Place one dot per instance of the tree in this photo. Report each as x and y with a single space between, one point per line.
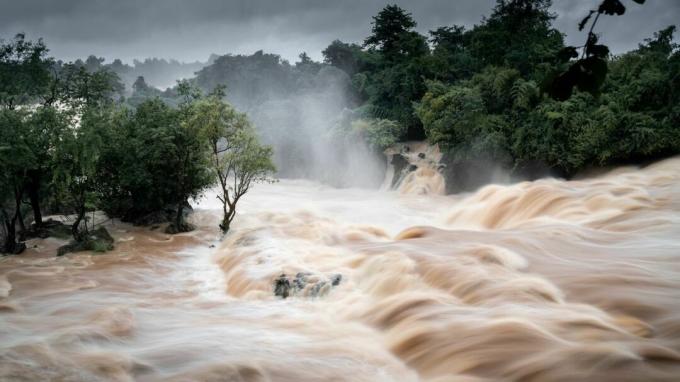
24 77
390 26
378 133
44 129
347 57
190 164
237 158
15 158
77 157
140 85
518 34
24 71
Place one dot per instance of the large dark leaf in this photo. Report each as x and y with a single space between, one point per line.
563 85
598 50
592 72
612 7
567 53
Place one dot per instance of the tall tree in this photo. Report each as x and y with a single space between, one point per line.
15 158
237 157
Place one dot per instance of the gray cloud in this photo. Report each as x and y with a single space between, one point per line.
191 30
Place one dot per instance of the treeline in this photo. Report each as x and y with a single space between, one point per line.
486 94
492 96
68 145
158 72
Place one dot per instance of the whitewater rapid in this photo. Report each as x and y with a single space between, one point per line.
545 280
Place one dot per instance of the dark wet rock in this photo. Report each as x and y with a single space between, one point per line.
98 240
421 155
317 289
467 175
282 286
412 168
19 248
184 227
300 280
212 245
406 149
305 284
167 214
399 163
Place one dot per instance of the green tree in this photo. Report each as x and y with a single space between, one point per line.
76 162
191 162
378 133
24 71
237 157
15 157
390 26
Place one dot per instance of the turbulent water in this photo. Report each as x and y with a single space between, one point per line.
545 280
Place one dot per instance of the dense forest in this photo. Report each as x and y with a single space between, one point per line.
486 95
74 138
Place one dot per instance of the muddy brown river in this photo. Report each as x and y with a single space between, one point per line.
548 280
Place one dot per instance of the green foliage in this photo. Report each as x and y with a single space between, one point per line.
24 71
75 172
154 158
347 57
378 133
237 158
501 114
518 34
479 93
391 28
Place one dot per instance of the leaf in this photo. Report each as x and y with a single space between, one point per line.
567 53
601 51
563 85
592 72
612 7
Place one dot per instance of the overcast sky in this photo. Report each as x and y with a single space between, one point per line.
191 30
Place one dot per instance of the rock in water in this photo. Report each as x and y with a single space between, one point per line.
300 280
320 289
282 286
335 279
98 240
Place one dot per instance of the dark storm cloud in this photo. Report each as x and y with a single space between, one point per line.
191 30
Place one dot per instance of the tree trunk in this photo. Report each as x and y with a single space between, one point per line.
179 219
9 246
75 228
33 190
22 226
224 226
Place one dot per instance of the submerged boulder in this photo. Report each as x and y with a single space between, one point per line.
98 240
167 214
282 286
305 284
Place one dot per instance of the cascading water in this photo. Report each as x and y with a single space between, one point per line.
545 280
